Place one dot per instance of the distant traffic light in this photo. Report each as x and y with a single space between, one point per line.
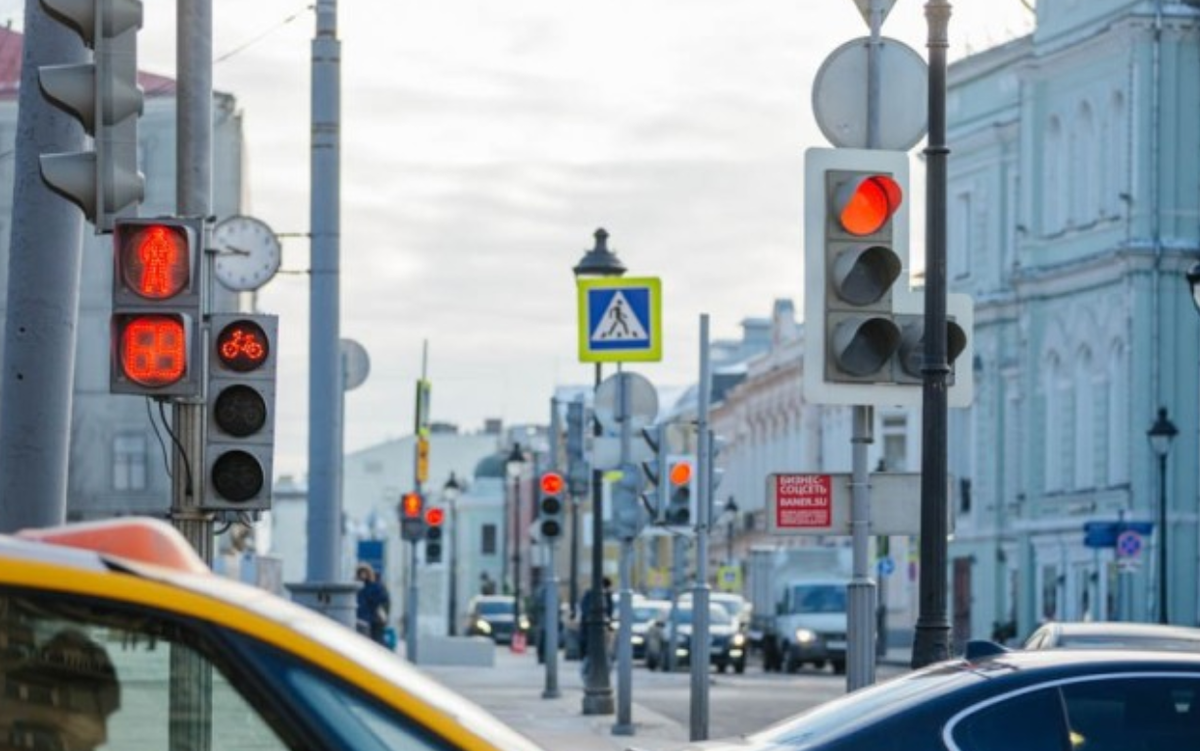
865 333
656 472
105 98
155 331
240 437
412 517
550 505
681 495
433 534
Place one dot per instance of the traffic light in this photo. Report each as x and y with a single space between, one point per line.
656 472
412 517
864 341
550 505
628 513
240 436
155 330
433 534
106 99
681 493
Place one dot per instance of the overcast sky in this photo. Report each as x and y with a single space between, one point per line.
483 143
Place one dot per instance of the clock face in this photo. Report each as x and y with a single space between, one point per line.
247 253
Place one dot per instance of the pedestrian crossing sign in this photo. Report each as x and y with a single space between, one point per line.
620 320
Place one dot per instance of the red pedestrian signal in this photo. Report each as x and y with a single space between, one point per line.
410 506
156 308
412 517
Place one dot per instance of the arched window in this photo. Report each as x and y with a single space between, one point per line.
1084 157
1085 422
1052 394
1053 166
1112 160
1117 396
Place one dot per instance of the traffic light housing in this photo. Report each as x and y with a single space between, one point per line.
105 98
681 492
434 517
155 325
865 326
412 517
656 472
240 434
550 505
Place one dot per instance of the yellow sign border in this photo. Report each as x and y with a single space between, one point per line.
653 353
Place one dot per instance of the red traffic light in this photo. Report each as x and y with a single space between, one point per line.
410 506
552 483
152 350
865 205
154 259
434 516
243 346
681 473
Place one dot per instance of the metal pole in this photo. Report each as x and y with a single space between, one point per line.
597 690
516 489
860 652
550 648
1163 613
932 641
452 626
624 724
412 596
43 298
699 651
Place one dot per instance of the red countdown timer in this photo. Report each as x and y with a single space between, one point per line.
152 350
242 346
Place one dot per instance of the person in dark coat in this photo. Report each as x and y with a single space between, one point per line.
374 604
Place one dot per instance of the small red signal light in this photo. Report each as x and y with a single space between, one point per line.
866 205
552 483
681 473
152 349
242 346
410 506
434 517
154 260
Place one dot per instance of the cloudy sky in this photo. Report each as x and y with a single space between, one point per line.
483 143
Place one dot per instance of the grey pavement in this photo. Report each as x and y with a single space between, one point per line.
512 690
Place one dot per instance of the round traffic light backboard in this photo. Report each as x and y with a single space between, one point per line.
242 346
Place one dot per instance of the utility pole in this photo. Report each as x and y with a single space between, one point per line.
43 298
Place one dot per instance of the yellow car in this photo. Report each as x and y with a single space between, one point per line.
115 634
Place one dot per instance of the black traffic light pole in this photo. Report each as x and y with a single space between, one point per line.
932 640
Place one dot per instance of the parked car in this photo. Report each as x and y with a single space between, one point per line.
102 623
727 642
645 613
1113 635
494 616
996 700
738 607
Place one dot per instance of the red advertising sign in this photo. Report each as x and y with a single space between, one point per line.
803 501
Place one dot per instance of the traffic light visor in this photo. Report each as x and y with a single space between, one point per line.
552 483
681 473
154 259
865 205
411 506
434 517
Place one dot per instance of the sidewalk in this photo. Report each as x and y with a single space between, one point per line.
512 690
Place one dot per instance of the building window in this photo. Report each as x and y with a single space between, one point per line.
129 462
1085 453
895 443
1055 167
961 241
373 467
488 540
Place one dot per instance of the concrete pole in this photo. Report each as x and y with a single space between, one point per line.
37 384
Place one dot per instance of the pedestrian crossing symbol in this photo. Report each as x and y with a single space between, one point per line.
620 320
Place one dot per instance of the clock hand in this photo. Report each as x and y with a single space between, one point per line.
230 249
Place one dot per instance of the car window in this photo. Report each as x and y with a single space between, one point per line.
494 607
1151 714
1032 721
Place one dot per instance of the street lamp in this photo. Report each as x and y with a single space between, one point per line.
731 508
450 493
513 466
597 690
1193 279
1161 434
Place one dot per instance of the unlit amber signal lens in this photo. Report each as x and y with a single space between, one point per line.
155 263
869 204
153 350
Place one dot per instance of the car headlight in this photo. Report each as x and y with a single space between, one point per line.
523 624
635 639
738 640
804 636
483 626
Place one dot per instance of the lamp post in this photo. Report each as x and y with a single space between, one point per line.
1161 434
731 508
450 493
597 690
513 466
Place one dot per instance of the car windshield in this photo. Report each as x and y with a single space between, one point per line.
716 615
1125 641
730 605
495 607
845 713
643 613
819 598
